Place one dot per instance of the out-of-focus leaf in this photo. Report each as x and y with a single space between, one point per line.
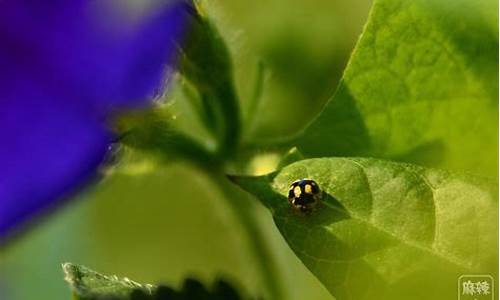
420 87
386 230
293 155
154 132
87 284
304 59
206 63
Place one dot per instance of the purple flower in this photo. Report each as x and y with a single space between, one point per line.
65 67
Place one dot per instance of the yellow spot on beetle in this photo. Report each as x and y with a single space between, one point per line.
297 191
308 189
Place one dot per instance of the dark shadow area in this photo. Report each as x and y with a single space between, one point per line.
339 130
428 154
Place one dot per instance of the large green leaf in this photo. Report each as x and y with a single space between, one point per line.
420 87
386 230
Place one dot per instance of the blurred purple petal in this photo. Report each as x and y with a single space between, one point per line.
64 67
105 53
49 148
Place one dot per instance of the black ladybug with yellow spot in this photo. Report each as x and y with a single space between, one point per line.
304 195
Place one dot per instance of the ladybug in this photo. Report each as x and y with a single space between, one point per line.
304 195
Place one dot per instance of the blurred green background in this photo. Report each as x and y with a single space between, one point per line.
156 223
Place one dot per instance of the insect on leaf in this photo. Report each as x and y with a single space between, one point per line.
386 230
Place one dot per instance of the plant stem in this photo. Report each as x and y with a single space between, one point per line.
256 239
229 107
255 100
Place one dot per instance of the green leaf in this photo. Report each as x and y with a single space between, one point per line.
153 131
206 63
420 87
87 284
386 230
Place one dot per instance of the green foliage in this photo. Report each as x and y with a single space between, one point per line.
386 230
206 63
206 81
420 87
87 284
304 46
90 285
154 132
